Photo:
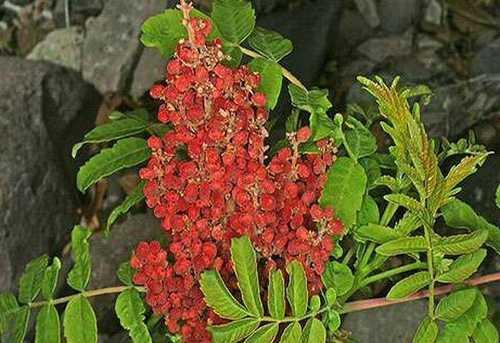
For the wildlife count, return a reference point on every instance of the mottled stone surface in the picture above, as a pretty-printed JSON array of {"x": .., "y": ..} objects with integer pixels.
[
  {"x": 41, "y": 107},
  {"x": 397, "y": 16},
  {"x": 151, "y": 68},
  {"x": 486, "y": 60},
  {"x": 112, "y": 47},
  {"x": 379, "y": 325},
  {"x": 62, "y": 47}
]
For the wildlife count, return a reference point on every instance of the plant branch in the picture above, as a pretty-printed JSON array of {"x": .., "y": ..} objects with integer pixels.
[
  {"x": 286, "y": 72},
  {"x": 87, "y": 294},
  {"x": 362, "y": 305},
  {"x": 430, "y": 266}
]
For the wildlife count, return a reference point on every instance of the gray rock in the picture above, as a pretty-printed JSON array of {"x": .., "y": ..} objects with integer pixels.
[
  {"x": 486, "y": 60},
  {"x": 309, "y": 26},
  {"x": 41, "y": 105},
  {"x": 108, "y": 253},
  {"x": 378, "y": 325},
  {"x": 457, "y": 107},
  {"x": 368, "y": 10},
  {"x": 151, "y": 68},
  {"x": 397, "y": 16},
  {"x": 111, "y": 47},
  {"x": 379, "y": 48},
  {"x": 62, "y": 47},
  {"x": 352, "y": 31}
]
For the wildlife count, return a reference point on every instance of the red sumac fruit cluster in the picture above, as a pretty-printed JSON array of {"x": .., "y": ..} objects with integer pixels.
[{"x": 207, "y": 181}]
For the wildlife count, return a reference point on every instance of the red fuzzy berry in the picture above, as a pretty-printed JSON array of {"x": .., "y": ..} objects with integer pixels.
[{"x": 303, "y": 134}]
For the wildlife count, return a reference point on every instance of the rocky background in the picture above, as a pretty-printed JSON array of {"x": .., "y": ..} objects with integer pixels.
[{"x": 65, "y": 64}]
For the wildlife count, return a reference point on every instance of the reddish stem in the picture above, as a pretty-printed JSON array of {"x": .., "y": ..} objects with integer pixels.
[
  {"x": 382, "y": 302},
  {"x": 186, "y": 8}
]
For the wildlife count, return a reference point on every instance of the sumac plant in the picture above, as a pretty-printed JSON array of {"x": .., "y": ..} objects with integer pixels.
[{"x": 268, "y": 241}]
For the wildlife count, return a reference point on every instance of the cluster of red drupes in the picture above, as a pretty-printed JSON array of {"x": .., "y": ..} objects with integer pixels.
[{"x": 207, "y": 182}]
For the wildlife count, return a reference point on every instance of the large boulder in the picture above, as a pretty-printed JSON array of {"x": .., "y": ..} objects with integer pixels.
[
  {"x": 112, "y": 47},
  {"x": 43, "y": 108}
]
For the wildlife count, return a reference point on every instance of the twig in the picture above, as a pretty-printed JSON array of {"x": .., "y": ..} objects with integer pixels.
[
  {"x": 87, "y": 294},
  {"x": 286, "y": 72},
  {"x": 66, "y": 13},
  {"x": 361, "y": 305}
]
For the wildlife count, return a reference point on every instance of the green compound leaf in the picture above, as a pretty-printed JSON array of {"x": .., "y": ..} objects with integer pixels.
[
  {"x": 485, "y": 332},
  {"x": 409, "y": 285},
  {"x": 315, "y": 303},
  {"x": 463, "y": 267},
  {"x": 48, "y": 327},
  {"x": 16, "y": 325},
  {"x": 113, "y": 130},
  {"x": 276, "y": 295},
  {"x": 234, "y": 331},
  {"x": 468, "y": 321},
  {"x": 245, "y": 267},
  {"x": 317, "y": 104},
  {"x": 315, "y": 100},
  {"x": 8, "y": 303},
  {"x": 135, "y": 197},
  {"x": 452, "y": 334},
  {"x": 125, "y": 273},
  {"x": 130, "y": 310},
  {"x": 271, "y": 79},
  {"x": 333, "y": 320},
  {"x": 50, "y": 278},
  {"x": 427, "y": 331},
  {"x": 339, "y": 277},
  {"x": 406, "y": 245},
  {"x": 292, "y": 333},
  {"x": 218, "y": 297},
  {"x": 372, "y": 170},
  {"x": 460, "y": 244},
  {"x": 270, "y": 44},
  {"x": 405, "y": 201},
  {"x": 265, "y": 334},
  {"x": 457, "y": 214},
  {"x": 235, "y": 19},
  {"x": 314, "y": 332},
  {"x": 296, "y": 292},
  {"x": 455, "y": 304},
  {"x": 360, "y": 140},
  {"x": 331, "y": 296},
  {"x": 369, "y": 212},
  {"x": 31, "y": 280},
  {"x": 321, "y": 125},
  {"x": 163, "y": 31},
  {"x": 376, "y": 233},
  {"x": 344, "y": 189},
  {"x": 79, "y": 276},
  {"x": 80, "y": 325},
  {"x": 126, "y": 153}
]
